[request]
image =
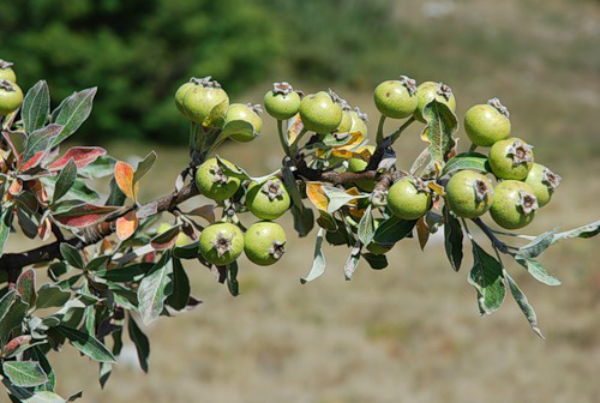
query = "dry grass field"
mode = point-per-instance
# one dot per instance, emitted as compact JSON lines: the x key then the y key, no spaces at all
{"x":412,"y":332}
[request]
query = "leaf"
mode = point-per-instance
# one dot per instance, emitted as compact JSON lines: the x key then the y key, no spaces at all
{"x":50,"y":296}
{"x":217,"y":114}
{"x":207,"y":212}
{"x":71,"y":255}
{"x":377,"y":262}
{"x":12,"y":313}
{"x":25,"y":374}
{"x":127,"y":225}
{"x":587,"y":231}
{"x":66,"y":180}
{"x":141,"y":342}
{"x":144,"y":166}
{"x":352,"y":262}
{"x":78,"y":191}
{"x":166,"y":240}
{"x":16,"y":346}
{"x":84,"y":215}
{"x":155,"y":288}
{"x":535,"y":248}
{"x":83,"y":157}
{"x":471,"y":160}
{"x":366,"y":227}
{"x":72,"y":112}
{"x":134,"y":272}
{"x":453,"y":239}
{"x":326,"y":221}
{"x":102,"y":167}
{"x":319,"y":263}
{"x":6,"y":217}
{"x":439,"y":132}
{"x":26,"y":287}
{"x":87,"y":344}
{"x":304,"y":220}
{"x":36,"y":107}
{"x":393,"y":230}
{"x":338,"y":198}
{"x":38,"y":146}
{"x":422,"y":232}
{"x":39,"y":356}
{"x":124,"y":176}
{"x":538,"y":272}
{"x":316,"y":195}
{"x":181,"y":287}
{"x":523,"y":303}
{"x":238,"y":126}
{"x":486,"y":277}
{"x":232,"y":282}
{"x":116,"y":197}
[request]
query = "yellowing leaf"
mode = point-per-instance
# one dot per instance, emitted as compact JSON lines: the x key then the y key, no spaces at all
{"x":422,"y":232}
{"x":294,"y":128}
{"x":124,"y":178}
{"x":436,"y":188}
{"x":127,"y":225}
{"x":315,"y":193}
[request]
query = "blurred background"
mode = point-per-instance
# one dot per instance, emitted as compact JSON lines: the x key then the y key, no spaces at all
{"x":408,"y":333}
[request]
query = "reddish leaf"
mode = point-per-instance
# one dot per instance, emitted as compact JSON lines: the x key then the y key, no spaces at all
{"x":26,"y":286}
{"x":84,"y":215}
{"x":14,"y":344}
{"x":8,"y":136}
{"x":124,"y":178}
{"x":82,"y":156}
{"x":15,"y":187}
{"x":127,"y":225}
{"x":34,"y":161}
{"x":165,"y":240}
{"x":149,"y":257}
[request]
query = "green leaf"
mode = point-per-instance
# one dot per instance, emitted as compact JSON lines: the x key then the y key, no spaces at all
{"x":66,"y":180}
{"x":366,"y":227}
{"x":304,"y":220}
{"x":116,"y":196}
{"x":338,"y":198}
{"x":377,"y":262}
{"x":524,"y":304}
{"x":12,"y":313}
{"x":319,"y":263}
{"x":155,"y":288}
{"x":537,"y":246}
{"x":486,"y":277}
{"x":181,"y":287}
{"x":6,"y":218}
{"x":587,"y":231}
{"x":238,"y":126}
{"x":144,"y":166}
{"x":25,"y":374}
{"x":78,"y":191}
{"x":102,"y":167}
{"x":326,"y":221}
{"x":538,"y":272}
{"x":439,"y":132}
{"x":36,"y":107}
{"x":141,"y":342}
{"x":71,"y":255}
{"x":39,"y":356}
{"x":471,"y":160}
{"x":50,"y":296}
{"x":353,"y":260}
{"x":87,"y":344}
{"x":232,"y":282}
{"x":38,"y":143}
{"x":393,"y":230}
{"x":72,"y":112}
{"x":134,"y":272}
{"x":453,"y":239}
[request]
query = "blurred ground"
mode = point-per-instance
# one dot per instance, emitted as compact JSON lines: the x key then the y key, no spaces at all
{"x":411,"y":332}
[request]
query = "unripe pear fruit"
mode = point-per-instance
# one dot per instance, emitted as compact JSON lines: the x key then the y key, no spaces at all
{"x":396,"y":99}
{"x":514,"y":204}
{"x":429,"y":91}
{"x":543,"y":182}
{"x":511,"y":159}
{"x":320,"y":113}
{"x":359,"y":120}
{"x":200,"y":99}
{"x":487,"y":124}
{"x":409,"y":198}
{"x":346,"y":123}
{"x":11,"y":97}
{"x":469,"y":194}
{"x":221,"y":243}
{"x":182,"y":238}
{"x":245,"y":113}
{"x":214,"y":183}
{"x":359,"y":165}
{"x":264,"y":243}
{"x":268,"y":201}
{"x":6,"y":71}
{"x":282,"y":102}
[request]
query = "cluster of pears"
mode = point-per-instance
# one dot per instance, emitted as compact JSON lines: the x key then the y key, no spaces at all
{"x":11,"y":95}
{"x":523,"y":186}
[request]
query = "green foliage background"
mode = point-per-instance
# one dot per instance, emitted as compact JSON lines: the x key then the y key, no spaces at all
{"x":139,"y":51}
